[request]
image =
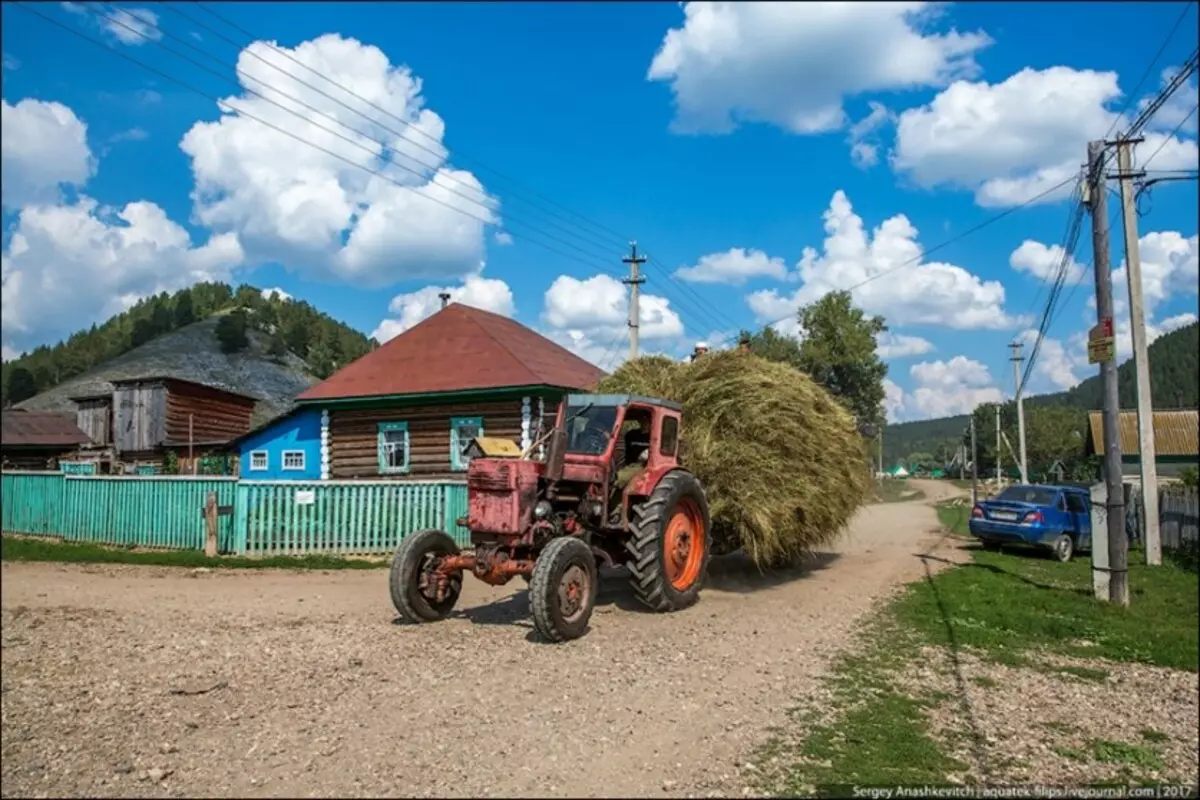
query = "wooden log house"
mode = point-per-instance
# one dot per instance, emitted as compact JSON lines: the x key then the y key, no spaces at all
{"x":408,"y":410}
{"x":37,"y":440}
{"x":145,"y":418}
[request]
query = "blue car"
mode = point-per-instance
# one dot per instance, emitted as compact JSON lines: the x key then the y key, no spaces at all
{"x":1053,"y":518}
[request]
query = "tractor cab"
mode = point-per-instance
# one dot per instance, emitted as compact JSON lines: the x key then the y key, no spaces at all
{"x":613,"y":436}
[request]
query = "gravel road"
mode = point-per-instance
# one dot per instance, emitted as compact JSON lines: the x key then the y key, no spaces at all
{"x":136,"y":681}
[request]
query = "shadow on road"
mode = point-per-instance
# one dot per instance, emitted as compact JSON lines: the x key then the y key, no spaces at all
{"x":1001,"y":571}
{"x":737,"y":573}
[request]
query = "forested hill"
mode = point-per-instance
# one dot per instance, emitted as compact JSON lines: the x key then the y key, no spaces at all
{"x":229,"y":329}
{"x":1174,"y":381}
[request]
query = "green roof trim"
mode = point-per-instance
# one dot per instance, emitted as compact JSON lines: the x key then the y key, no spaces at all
{"x":437,"y":398}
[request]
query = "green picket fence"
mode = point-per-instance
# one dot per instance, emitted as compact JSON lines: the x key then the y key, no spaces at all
{"x":257,"y":517}
{"x":153,"y":512}
{"x":350,"y":517}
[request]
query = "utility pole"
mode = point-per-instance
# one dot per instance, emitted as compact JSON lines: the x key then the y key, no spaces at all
{"x":634,"y":281}
{"x":999,"y":473}
{"x":1141,"y":359}
{"x":974,"y":464}
{"x":1017,"y":358}
{"x":1110,"y":558}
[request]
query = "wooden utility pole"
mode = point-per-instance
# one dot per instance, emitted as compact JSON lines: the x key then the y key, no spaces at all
{"x":634,"y":281}
{"x":1017,"y":358}
{"x":999,"y":457}
{"x":974,"y":464}
{"x":1110,"y":550}
{"x":1141,"y":358}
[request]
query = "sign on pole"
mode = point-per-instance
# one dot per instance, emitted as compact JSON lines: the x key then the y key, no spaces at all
{"x":1102,"y":345}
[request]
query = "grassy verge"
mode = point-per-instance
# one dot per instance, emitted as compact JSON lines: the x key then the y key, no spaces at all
{"x":1008,"y":608}
{"x":895,"y":491}
{"x":954,"y":518}
{"x":15,"y":548}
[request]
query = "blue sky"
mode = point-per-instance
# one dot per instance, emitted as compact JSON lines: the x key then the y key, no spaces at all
{"x":726,"y":139}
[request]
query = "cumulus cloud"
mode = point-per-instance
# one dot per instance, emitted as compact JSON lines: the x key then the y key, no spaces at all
{"x":864,"y":139}
{"x":943,"y":389}
{"x":735,"y":266}
{"x":1007,"y":142}
{"x":920,"y":293}
{"x":275,"y":293}
{"x":68,"y":266}
{"x":1041,"y":261}
{"x":792,"y":64}
{"x":324,"y":215}
{"x":43,"y":146}
{"x":898,"y":345}
{"x":1170,"y":267}
{"x":589,"y":317}
{"x":489,"y":294}
{"x":1056,"y":368}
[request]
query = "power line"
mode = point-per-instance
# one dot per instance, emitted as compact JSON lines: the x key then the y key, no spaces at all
{"x":1171,"y":136}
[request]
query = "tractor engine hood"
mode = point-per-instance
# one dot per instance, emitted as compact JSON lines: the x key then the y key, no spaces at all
{"x":502,"y":493}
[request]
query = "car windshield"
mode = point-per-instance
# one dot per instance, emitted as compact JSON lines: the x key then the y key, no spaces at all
{"x":589,"y":428}
{"x":1027,"y":494}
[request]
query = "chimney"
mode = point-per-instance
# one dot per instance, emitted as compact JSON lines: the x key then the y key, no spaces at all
{"x":445,"y":298}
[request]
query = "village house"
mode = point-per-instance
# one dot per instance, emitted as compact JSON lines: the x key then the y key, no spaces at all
{"x":1176,"y":442}
{"x":409,"y":409}
{"x":144,"y":419}
{"x":285,"y":448}
{"x":38,"y":440}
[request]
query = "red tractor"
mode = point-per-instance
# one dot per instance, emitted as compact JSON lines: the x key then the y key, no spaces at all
{"x":609,"y":491}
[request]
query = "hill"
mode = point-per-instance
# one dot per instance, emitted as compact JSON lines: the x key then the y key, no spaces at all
{"x":268,"y":348}
{"x":1174,"y":383}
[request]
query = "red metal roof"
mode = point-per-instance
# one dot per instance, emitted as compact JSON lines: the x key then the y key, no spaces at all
{"x":459,"y":348}
{"x":39,"y":429}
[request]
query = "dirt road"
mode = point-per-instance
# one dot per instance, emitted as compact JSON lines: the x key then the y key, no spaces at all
{"x":127,"y":681}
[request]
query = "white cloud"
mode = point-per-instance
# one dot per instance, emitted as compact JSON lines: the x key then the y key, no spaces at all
{"x":292,"y":203}
{"x":490,"y":294}
{"x":1042,"y":262}
{"x":893,"y":400}
{"x":1011,"y":140}
{"x":1056,"y":366}
{"x":11,"y":62}
{"x":1170,"y":267}
{"x":503,"y":238}
{"x":42,"y":146}
{"x":277,"y":293}
{"x":735,"y":266}
{"x":792,"y":64}
{"x":132,"y":135}
{"x":589,"y":317}
{"x":66,"y":267}
{"x":1178,"y":110}
{"x":898,"y":345}
{"x":863,"y":138}
{"x":133,"y":26}
{"x":947,"y":388}
{"x":920,"y":293}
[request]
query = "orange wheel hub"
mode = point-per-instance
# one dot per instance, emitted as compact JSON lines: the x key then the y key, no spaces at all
{"x":683,"y":546}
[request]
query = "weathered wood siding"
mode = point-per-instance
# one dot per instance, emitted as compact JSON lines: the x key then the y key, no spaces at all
{"x":216,"y":416}
{"x":94,"y":417}
{"x":140,"y":415}
{"x":38,"y":460}
{"x":354,"y":442}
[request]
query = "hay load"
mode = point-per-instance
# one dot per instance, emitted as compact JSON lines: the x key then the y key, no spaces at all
{"x":783,"y":463}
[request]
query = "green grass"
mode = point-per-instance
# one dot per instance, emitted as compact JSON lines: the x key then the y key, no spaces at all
{"x":13,"y":548}
{"x":1011,"y":609}
{"x":1153,"y":736}
{"x":955,"y":518}
{"x":895,"y":491}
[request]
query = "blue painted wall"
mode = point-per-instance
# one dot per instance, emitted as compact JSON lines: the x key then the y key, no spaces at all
{"x":301,"y":431}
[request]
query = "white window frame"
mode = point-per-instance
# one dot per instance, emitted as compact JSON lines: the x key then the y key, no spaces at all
{"x":383,"y":446}
{"x":458,"y":461}
{"x":284,"y":460}
{"x":266,"y":457}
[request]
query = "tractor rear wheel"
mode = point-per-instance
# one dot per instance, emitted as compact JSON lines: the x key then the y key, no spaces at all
{"x":670,"y":543}
{"x":563,"y":589}
{"x":412,"y":580}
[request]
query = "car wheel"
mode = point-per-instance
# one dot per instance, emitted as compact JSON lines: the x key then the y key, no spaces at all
{"x":1064,"y":548}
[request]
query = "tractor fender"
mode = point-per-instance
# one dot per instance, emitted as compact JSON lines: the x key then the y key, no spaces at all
{"x":643,"y":485}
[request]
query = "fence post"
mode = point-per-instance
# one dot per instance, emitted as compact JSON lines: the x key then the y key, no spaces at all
{"x":210,"y":525}
{"x":241,"y":517}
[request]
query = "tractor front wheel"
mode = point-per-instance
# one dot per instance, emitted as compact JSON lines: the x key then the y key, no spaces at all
{"x":417,"y":593}
{"x":670,"y":543}
{"x":563,"y":589}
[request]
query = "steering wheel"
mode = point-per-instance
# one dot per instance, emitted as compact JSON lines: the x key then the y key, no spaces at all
{"x":594,"y":440}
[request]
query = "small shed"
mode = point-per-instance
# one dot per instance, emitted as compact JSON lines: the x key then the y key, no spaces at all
{"x":285,"y":448}
{"x":1176,"y":441}
{"x":410,"y":408}
{"x":37,"y":440}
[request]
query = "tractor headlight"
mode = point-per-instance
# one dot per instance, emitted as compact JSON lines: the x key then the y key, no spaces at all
{"x":542,"y":510}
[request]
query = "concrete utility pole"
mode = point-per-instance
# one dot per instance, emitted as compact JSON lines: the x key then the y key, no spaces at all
{"x":634,"y":281}
{"x":1141,"y":359}
{"x":999,"y":473}
{"x":974,"y":464}
{"x":1110,"y":550}
{"x":1017,"y":358}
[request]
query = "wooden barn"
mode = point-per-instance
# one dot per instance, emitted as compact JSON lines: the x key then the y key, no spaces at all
{"x":409,"y":409}
{"x":37,"y":440}
{"x":146,"y":418}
